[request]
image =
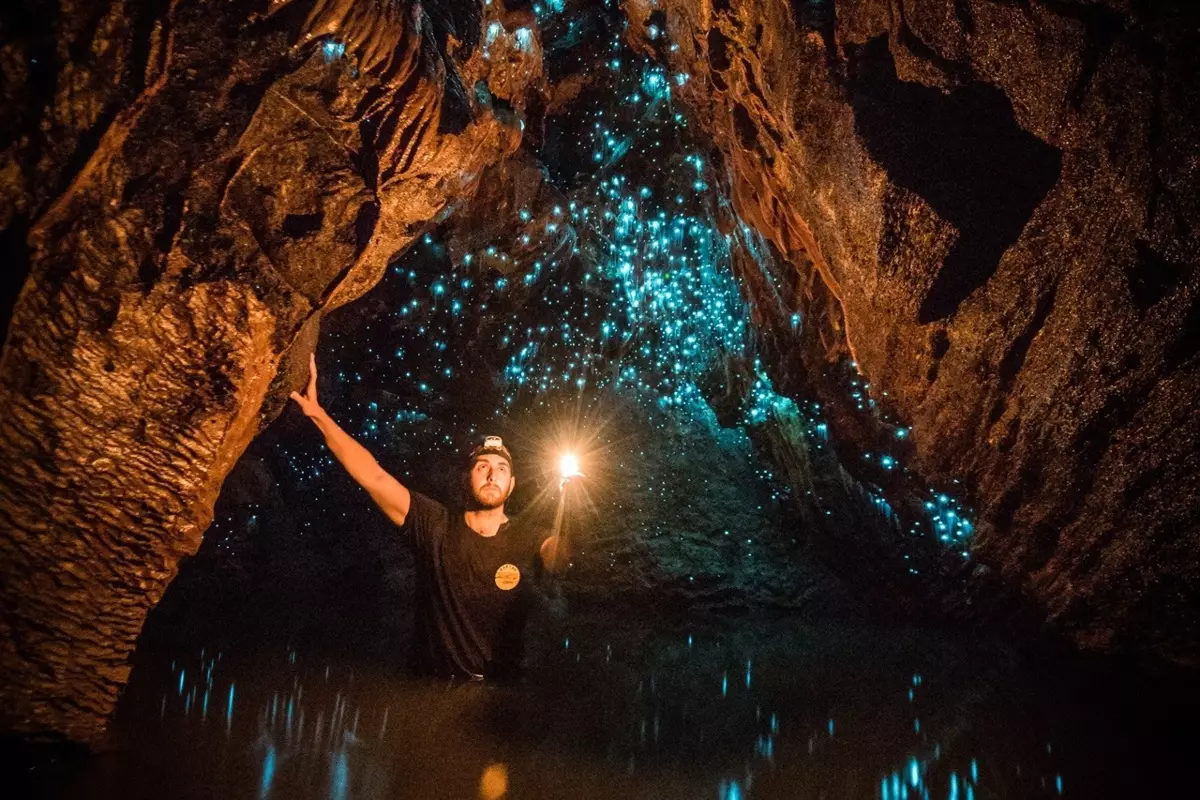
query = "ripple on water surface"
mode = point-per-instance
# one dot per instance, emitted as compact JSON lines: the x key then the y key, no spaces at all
{"x":718,"y":708}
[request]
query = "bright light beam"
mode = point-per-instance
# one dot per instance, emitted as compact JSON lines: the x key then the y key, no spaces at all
{"x":568,"y":466}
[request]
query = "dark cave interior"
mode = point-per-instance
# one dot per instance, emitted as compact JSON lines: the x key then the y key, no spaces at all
{"x":873,"y":324}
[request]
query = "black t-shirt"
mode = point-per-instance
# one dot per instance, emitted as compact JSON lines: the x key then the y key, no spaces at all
{"x":473,"y":592}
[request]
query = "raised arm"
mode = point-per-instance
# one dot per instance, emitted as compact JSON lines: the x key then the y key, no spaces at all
{"x":555,"y":552}
{"x":388,"y":493}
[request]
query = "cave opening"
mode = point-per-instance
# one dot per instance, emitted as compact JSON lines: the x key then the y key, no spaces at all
{"x":771,"y":593}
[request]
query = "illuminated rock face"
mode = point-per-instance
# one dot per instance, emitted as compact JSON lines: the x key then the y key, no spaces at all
{"x":1002,"y":198}
{"x":192,"y":185}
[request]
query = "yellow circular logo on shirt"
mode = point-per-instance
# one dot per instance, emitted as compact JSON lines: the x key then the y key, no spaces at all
{"x":508,"y":576}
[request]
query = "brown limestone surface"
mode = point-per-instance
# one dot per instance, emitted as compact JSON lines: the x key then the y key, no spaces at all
{"x":191,"y":184}
{"x":1003,"y":199}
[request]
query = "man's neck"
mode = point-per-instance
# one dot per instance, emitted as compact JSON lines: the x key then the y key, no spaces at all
{"x":485,"y":521}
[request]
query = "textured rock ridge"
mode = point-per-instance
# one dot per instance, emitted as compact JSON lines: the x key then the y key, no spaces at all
{"x":207,"y":180}
{"x":1001,"y":199}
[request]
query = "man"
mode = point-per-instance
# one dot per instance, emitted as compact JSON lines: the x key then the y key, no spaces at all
{"x":474,"y":565}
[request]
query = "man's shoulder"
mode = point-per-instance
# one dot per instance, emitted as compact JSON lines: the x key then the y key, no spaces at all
{"x":426,"y":513}
{"x":427,"y":502}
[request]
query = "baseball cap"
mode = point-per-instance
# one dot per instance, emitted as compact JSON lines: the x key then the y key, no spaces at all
{"x":492,"y":445}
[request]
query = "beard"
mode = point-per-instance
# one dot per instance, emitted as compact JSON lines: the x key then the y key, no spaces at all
{"x":489,"y":496}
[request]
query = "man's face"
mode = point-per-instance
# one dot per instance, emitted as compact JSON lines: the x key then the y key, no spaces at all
{"x":491,"y":480}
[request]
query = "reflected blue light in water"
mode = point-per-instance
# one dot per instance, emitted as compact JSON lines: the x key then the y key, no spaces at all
{"x":268,"y":772}
{"x":229,"y":709}
{"x":764,"y":746}
{"x":182,"y":674}
{"x":311,"y":763}
{"x":339,"y":780}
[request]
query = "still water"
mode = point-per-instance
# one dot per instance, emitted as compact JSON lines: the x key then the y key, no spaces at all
{"x":720,"y":709}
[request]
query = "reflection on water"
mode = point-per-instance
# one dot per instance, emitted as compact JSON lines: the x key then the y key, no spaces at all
{"x":708,"y":710}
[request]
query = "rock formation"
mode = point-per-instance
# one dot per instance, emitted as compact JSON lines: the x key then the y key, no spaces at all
{"x":192,"y":185}
{"x":1002,"y":199}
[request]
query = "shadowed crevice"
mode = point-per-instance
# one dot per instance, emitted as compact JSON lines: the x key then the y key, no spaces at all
{"x":1014,"y":359}
{"x":1151,"y":277}
{"x":14,"y":249}
{"x":964,"y":153}
{"x":819,"y":16}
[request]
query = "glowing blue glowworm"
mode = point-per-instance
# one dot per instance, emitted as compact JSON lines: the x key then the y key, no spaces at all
{"x":332,"y":50}
{"x":660,"y":303}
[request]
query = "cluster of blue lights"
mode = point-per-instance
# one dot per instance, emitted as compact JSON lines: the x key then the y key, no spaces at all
{"x":764,"y":403}
{"x":548,"y":8}
{"x":629,"y":276}
{"x":622,"y":282}
{"x":332,"y":50}
{"x":947,"y":518}
{"x":940,"y":515}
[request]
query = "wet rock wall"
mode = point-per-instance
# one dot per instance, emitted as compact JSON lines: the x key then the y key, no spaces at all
{"x":1001,"y":198}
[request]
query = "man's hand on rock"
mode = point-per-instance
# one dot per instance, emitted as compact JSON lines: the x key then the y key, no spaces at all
{"x":308,"y":401}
